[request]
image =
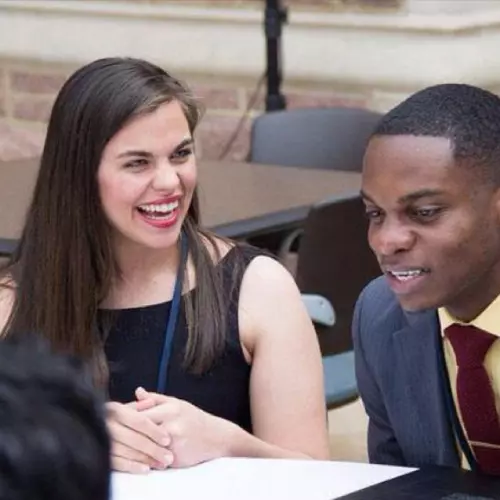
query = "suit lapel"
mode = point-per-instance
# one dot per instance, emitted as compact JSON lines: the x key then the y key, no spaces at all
{"x":416,"y":353}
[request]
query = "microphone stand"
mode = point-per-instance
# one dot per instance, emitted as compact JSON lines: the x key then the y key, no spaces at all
{"x":274,"y":18}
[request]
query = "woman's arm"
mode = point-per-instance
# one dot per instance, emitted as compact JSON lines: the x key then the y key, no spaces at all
{"x":286,"y":385}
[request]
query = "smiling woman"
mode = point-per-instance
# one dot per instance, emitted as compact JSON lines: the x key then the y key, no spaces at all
{"x":147,"y":178}
{"x":203,"y":344}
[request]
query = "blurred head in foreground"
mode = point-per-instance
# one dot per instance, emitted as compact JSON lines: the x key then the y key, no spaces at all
{"x":53,"y":439}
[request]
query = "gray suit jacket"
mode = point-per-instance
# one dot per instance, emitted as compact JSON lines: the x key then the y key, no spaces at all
{"x":397,"y":369}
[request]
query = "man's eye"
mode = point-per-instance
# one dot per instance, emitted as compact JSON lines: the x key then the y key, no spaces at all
{"x":426,"y":213}
{"x":138,"y":163}
{"x":373,"y":214}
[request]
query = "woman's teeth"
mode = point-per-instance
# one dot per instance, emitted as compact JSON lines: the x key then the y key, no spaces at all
{"x":159,"y":211}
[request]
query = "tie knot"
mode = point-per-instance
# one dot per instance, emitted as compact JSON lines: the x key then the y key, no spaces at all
{"x":470,"y":344}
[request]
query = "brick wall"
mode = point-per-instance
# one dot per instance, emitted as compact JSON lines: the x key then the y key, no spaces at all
{"x":27,"y":92}
{"x":330,"y":4}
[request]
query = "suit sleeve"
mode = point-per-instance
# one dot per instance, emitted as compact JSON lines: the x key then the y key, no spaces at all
{"x":383,"y":447}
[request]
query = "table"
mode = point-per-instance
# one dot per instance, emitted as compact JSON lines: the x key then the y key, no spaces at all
{"x":254,"y":479}
{"x":240,"y":200}
{"x":237,"y":200}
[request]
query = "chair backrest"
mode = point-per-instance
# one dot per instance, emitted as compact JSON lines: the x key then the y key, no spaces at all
{"x":326,"y":138}
{"x":334,"y":260}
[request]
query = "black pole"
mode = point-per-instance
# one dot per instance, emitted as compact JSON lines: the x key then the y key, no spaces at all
{"x":275,"y":17}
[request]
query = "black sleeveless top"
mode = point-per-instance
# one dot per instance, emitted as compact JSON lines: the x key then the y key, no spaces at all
{"x":135,"y":341}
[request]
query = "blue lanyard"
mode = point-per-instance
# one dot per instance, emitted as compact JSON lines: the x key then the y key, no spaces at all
{"x":172,"y":319}
{"x":444,"y":383}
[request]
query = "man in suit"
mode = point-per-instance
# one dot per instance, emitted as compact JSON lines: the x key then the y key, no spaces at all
{"x":426,"y":332}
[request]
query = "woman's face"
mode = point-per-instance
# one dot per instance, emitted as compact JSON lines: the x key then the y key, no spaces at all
{"x":146,"y":178}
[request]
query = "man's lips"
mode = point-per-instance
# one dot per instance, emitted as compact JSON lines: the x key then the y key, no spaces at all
{"x":406,"y":280}
{"x":405,"y":273}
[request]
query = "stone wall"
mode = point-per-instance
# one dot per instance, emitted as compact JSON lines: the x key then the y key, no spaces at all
{"x":360,"y":53}
{"x":330,"y":4}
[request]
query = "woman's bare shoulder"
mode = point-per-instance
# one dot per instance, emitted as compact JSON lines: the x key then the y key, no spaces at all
{"x":7,"y":297}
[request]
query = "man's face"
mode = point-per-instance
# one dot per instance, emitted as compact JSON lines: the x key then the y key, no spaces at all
{"x":433,"y":225}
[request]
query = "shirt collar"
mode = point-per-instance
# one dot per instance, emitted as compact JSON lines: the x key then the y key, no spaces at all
{"x":488,"y":320}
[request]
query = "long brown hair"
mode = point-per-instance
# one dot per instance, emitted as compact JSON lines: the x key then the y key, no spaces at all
{"x":64,"y":264}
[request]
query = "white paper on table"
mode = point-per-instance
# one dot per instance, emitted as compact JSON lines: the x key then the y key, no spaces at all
{"x":254,"y":479}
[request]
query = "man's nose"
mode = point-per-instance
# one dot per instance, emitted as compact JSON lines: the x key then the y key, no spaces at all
{"x":390,"y":238}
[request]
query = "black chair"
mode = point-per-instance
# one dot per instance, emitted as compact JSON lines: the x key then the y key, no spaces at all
{"x":321,"y":138}
{"x":335,"y":263}
{"x":325,"y":138}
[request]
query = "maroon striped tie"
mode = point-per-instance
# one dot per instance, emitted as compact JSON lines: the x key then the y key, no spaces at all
{"x":475,"y":395}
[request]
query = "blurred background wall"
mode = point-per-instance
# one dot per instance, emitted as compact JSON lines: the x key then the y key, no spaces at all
{"x":366,"y":53}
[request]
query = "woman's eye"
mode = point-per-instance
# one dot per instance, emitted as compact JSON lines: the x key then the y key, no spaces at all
{"x":138,"y":163}
{"x":183,"y":154}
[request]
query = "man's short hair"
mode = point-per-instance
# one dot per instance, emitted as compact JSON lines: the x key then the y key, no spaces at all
{"x":466,"y":115}
{"x":53,"y":438}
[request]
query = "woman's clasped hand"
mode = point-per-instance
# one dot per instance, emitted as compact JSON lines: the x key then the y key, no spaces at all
{"x":158,"y":431}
